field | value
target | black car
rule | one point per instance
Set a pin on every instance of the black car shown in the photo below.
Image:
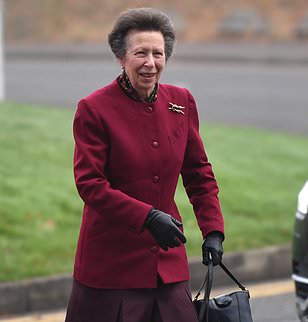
(300, 255)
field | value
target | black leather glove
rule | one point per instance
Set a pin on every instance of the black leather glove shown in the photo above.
(212, 245)
(165, 229)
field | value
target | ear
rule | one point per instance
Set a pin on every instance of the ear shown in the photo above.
(122, 62)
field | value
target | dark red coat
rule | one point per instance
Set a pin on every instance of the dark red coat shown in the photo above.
(128, 158)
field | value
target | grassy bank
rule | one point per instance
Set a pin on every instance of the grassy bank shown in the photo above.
(259, 174)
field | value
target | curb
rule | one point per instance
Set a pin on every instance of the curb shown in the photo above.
(52, 293)
(230, 52)
(34, 295)
(264, 264)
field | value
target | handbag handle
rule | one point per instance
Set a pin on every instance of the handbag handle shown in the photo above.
(207, 285)
(241, 286)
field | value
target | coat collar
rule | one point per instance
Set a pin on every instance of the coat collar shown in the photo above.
(131, 92)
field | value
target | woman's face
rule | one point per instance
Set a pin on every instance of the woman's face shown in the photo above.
(144, 59)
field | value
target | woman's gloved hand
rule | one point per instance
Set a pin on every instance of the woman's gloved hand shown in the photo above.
(165, 229)
(212, 245)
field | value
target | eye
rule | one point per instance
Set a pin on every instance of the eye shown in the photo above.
(158, 54)
(140, 53)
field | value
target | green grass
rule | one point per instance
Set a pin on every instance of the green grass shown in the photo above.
(259, 173)
(39, 207)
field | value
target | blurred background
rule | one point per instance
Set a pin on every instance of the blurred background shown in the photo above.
(245, 62)
(74, 21)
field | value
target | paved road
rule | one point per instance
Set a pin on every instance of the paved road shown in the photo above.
(270, 302)
(265, 96)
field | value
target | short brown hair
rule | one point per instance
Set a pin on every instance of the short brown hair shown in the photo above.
(143, 19)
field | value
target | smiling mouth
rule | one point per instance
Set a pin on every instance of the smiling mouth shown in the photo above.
(148, 75)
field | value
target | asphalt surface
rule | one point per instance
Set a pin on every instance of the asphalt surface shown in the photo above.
(260, 92)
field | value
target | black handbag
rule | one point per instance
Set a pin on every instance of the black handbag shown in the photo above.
(232, 307)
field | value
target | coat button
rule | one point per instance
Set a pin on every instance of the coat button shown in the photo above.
(149, 109)
(156, 179)
(155, 144)
(154, 249)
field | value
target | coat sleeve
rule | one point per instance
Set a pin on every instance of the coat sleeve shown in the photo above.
(90, 162)
(198, 178)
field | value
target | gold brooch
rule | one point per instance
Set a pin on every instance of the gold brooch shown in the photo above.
(176, 108)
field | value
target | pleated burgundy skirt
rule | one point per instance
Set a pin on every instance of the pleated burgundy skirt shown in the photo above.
(166, 303)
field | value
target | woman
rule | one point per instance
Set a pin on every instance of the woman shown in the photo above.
(133, 138)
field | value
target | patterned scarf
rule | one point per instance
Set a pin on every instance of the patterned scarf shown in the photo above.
(130, 91)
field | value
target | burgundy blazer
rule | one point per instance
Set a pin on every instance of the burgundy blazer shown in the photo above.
(128, 158)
